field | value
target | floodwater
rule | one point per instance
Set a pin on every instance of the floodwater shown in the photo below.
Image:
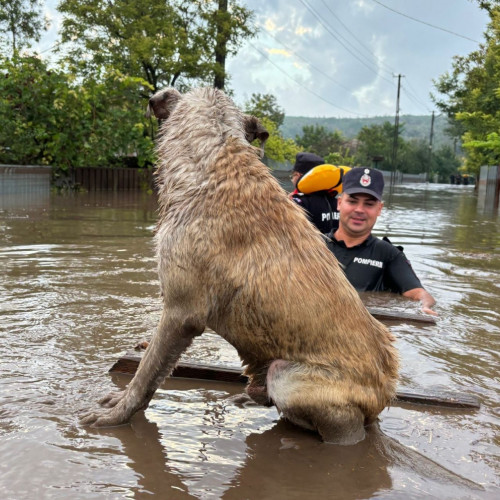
(78, 288)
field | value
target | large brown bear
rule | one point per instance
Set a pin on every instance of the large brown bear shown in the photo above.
(236, 255)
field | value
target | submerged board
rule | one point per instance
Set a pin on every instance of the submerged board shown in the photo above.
(128, 364)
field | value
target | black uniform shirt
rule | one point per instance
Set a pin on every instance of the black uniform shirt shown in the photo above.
(321, 208)
(375, 265)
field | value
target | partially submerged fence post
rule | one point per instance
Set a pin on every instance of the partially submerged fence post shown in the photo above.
(489, 189)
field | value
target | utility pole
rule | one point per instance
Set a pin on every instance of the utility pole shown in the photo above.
(396, 136)
(430, 147)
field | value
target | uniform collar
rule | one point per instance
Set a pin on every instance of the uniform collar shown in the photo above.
(369, 241)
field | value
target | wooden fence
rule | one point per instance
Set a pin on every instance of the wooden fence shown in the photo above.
(113, 179)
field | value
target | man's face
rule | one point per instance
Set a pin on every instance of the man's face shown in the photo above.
(358, 213)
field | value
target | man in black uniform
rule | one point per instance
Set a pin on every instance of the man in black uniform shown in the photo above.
(369, 263)
(320, 206)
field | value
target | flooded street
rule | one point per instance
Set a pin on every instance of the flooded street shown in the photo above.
(78, 288)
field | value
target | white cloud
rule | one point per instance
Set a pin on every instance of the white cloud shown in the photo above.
(354, 52)
(364, 5)
(302, 30)
(344, 65)
(281, 52)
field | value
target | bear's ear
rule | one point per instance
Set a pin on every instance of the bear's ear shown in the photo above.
(163, 103)
(255, 130)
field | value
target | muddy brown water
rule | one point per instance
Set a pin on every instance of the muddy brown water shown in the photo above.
(78, 288)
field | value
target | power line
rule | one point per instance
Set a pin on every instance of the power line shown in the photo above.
(319, 70)
(307, 62)
(414, 99)
(381, 63)
(51, 48)
(412, 95)
(410, 92)
(423, 22)
(334, 35)
(329, 30)
(301, 85)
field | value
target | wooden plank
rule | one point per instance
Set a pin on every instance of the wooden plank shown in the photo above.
(98, 178)
(86, 181)
(77, 173)
(128, 364)
(449, 400)
(132, 178)
(127, 183)
(109, 181)
(135, 181)
(209, 372)
(91, 179)
(385, 315)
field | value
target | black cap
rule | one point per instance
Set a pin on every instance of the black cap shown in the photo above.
(364, 180)
(306, 161)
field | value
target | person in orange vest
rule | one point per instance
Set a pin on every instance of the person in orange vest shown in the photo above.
(320, 206)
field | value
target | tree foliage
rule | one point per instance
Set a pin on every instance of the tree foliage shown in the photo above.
(278, 149)
(470, 95)
(345, 158)
(414, 157)
(50, 117)
(167, 43)
(21, 22)
(444, 162)
(265, 106)
(318, 139)
(415, 126)
(377, 140)
(89, 108)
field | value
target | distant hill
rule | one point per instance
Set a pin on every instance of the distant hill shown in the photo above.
(413, 127)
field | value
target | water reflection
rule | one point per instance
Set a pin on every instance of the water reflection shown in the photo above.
(78, 287)
(236, 449)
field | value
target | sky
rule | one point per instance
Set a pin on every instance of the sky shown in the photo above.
(342, 58)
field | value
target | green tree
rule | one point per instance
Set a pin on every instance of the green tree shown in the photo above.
(166, 43)
(487, 5)
(318, 139)
(345, 159)
(378, 140)
(470, 95)
(414, 157)
(50, 117)
(21, 23)
(265, 106)
(278, 148)
(445, 163)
